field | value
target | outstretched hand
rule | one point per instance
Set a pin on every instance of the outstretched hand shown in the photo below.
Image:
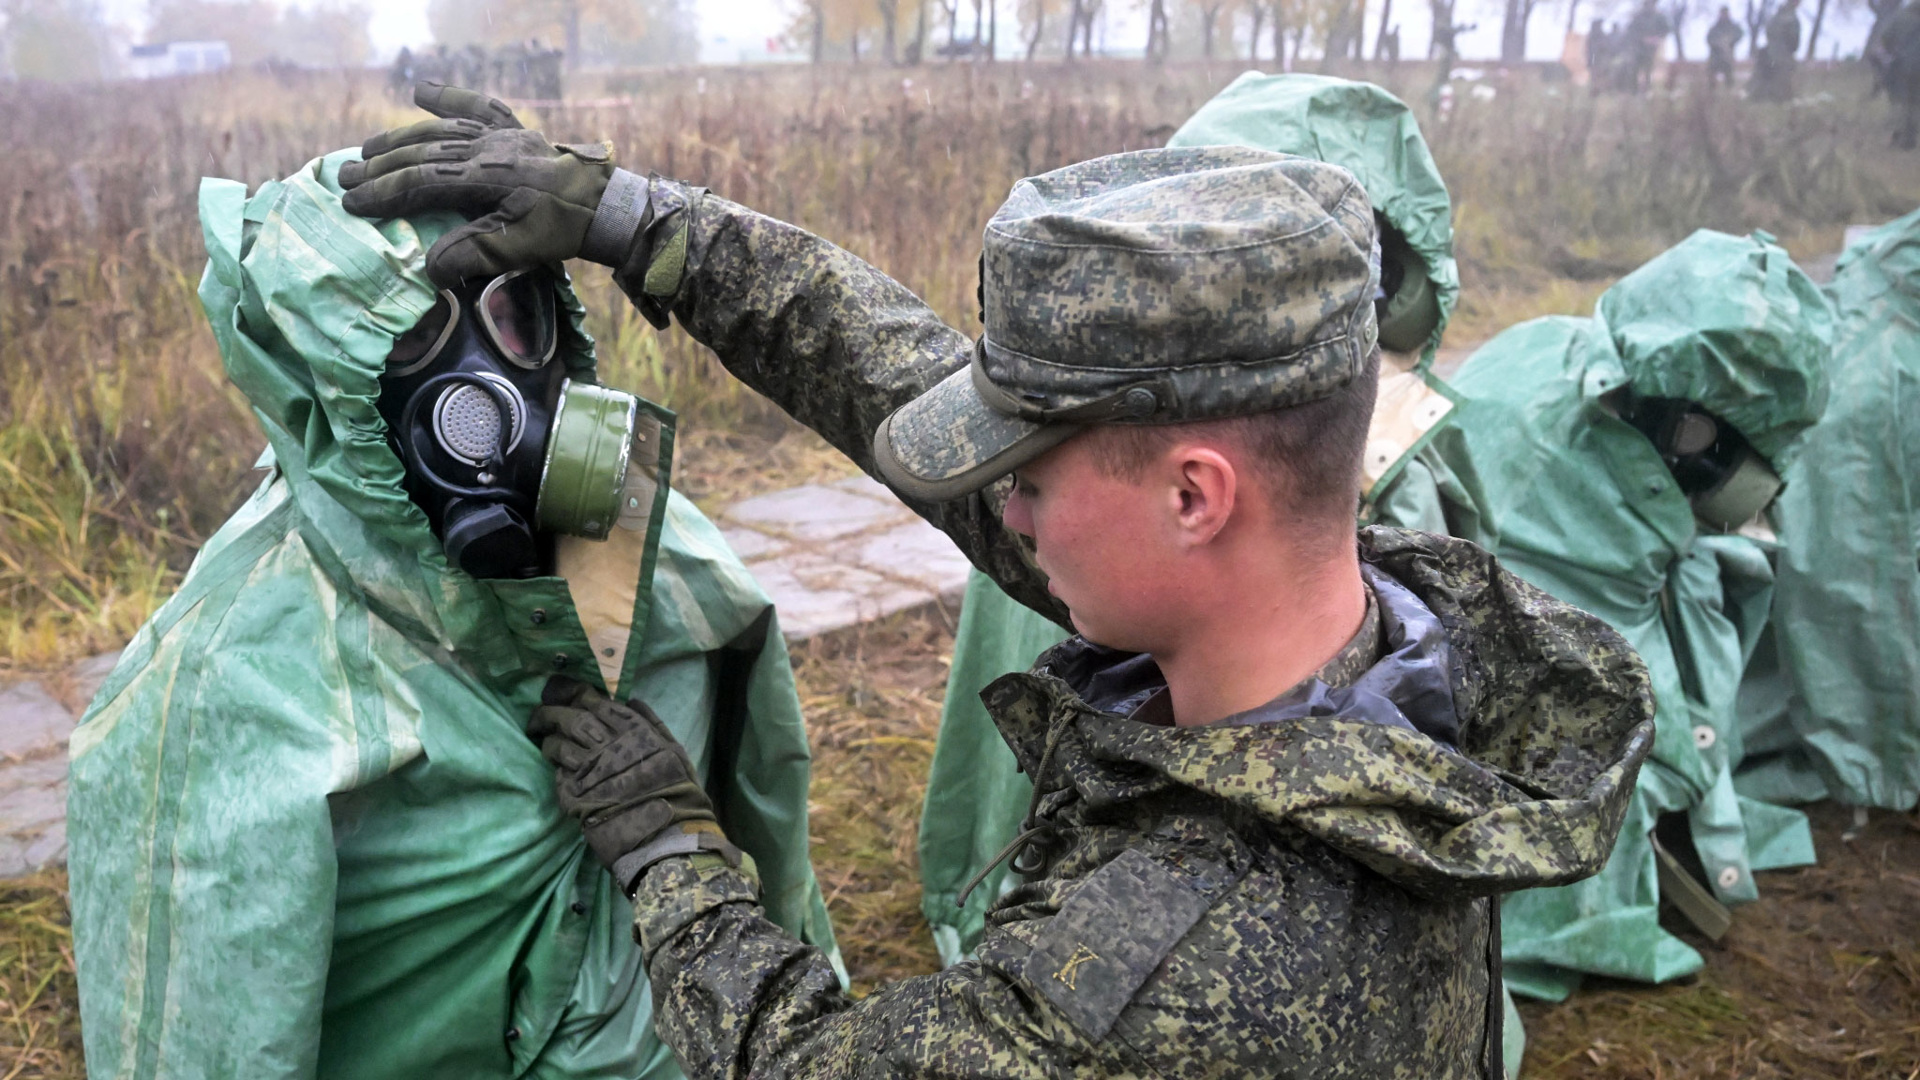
(622, 773)
(531, 202)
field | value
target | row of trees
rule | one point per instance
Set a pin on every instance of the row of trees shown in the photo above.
(595, 33)
(72, 39)
(911, 31)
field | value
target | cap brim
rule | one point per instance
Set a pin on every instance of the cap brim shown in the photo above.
(949, 443)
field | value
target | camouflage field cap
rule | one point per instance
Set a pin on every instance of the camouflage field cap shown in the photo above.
(1153, 287)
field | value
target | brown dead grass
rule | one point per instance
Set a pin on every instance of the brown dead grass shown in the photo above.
(872, 699)
(1820, 978)
(39, 1000)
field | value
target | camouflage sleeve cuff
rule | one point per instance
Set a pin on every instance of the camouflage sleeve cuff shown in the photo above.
(622, 213)
(654, 264)
(675, 892)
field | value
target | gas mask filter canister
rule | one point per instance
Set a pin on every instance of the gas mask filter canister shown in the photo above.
(1725, 480)
(499, 445)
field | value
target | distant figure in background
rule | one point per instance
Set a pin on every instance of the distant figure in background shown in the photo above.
(1647, 29)
(436, 66)
(472, 63)
(1773, 67)
(510, 71)
(544, 72)
(400, 76)
(1722, 36)
(1894, 52)
(1390, 45)
(1597, 43)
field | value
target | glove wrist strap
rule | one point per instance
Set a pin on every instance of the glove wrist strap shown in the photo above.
(624, 210)
(628, 868)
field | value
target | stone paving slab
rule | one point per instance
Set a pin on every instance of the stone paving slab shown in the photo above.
(833, 555)
(35, 722)
(33, 814)
(32, 721)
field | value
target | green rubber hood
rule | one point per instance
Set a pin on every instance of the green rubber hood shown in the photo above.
(1728, 322)
(306, 300)
(1359, 127)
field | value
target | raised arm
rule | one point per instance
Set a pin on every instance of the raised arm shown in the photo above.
(828, 337)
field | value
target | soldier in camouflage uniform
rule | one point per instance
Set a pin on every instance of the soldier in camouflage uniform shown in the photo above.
(1297, 882)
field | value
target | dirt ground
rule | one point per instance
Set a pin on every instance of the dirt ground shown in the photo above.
(1821, 978)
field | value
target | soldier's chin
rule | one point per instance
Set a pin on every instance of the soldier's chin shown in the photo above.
(1097, 632)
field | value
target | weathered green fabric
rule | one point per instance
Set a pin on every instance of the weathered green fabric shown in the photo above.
(1846, 610)
(975, 797)
(1538, 470)
(1293, 898)
(1359, 127)
(309, 835)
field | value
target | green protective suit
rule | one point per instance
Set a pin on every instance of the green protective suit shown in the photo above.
(976, 798)
(309, 835)
(1538, 470)
(1846, 609)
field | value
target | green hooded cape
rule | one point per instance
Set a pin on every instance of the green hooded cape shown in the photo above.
(976, 798)
(1537, 469)
(1846, 610)
(309, 835)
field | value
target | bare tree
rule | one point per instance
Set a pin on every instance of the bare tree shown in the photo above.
(1257, 12)
(889, 17)
(1080, 26)
(1158, 36)
(1755, 16)
(1441, 40)
(1513, 31)
(918, 48)
(1380, 37)
(1819, 16)
(1677, 12)
(1209, 24)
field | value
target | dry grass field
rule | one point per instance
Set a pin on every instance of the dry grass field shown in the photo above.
(122, 447)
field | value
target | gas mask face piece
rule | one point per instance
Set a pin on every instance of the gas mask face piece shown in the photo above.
(1406, 308)
(1724, 478)
(500, 447)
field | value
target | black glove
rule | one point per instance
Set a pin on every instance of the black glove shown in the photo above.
(621, 772)
(532, 203)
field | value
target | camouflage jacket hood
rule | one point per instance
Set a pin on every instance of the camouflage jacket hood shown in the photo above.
(1554, 714)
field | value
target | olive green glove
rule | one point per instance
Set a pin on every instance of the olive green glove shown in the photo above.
(532, 203)
(632, 786)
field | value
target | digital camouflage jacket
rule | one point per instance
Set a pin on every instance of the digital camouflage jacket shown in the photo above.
(1304, 897)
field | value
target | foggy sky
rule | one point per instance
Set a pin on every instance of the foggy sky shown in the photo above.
(404, 22)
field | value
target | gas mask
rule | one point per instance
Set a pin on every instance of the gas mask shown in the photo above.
(1723, 477)
(1405, 307)
(501, 448)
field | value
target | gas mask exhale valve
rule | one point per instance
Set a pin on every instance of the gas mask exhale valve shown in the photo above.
(500, 447)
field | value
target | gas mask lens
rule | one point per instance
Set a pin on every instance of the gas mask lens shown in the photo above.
(515, 311)
(518, 312)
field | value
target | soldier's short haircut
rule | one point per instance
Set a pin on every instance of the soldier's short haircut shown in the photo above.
(1309, 455)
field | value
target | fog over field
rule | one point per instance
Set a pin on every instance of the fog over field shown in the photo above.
(726, 25)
